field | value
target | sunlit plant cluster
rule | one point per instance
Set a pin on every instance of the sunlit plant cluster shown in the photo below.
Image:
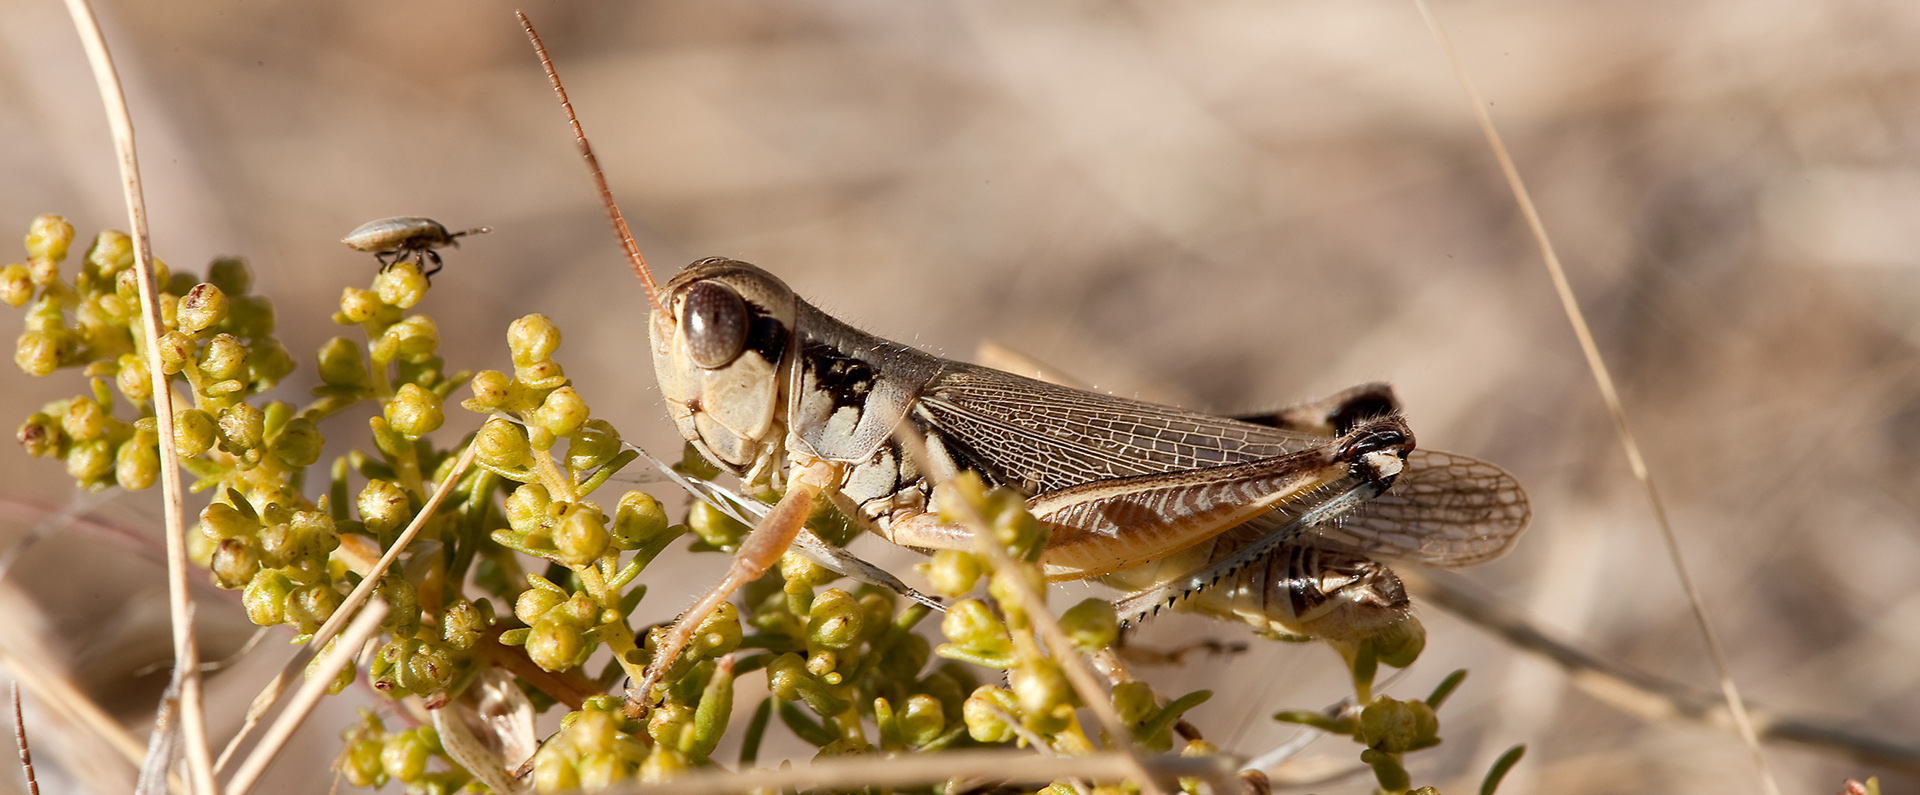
(847, 671)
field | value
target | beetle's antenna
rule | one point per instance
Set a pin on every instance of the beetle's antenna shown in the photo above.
(638, 262)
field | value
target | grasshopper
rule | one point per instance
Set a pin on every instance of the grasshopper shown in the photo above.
(1274, 519)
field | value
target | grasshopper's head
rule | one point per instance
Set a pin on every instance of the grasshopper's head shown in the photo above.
(721, 343)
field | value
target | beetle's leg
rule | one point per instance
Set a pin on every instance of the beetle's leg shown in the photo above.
(432, 255)
(758, 552)
(381, 257)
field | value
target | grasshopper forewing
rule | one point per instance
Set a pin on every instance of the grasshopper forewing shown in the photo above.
(776, 391)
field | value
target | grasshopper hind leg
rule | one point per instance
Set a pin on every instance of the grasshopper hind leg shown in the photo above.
(1335, 414)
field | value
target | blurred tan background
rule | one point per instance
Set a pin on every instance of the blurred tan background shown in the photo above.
(1228, 205)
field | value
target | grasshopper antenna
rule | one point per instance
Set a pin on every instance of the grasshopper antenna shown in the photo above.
(20, 742)
(638, 262)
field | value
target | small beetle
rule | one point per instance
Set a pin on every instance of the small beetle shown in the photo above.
(399, 237)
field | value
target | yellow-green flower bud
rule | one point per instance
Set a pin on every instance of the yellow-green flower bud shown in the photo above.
(541, 375)
(220, 521)
(1001, 584)
(384, 506)
(823, 664)
(923, 720)
(1091, 625)
(553, 771)
(970, 625)
(201, 308)
(39, 353)
(176, 349)
(501, 444)
(341, 365)
(108, 307)
(985, 723)
(361, 306)
(133, 378)
(298, 443)
(48, 237)
(314, 535)
(89, 462)
(266, 598)
(231, 275)
(137, 463)
(556, 645)
(801, 575)
(462, 622)
(662, 764)
(225, 358)
(126, 286)
(1400, 643)
(597, 444)
(412, 340)
(404, 599)
(1014, 526)
(414, 412)
(719, 634)
(789, 680)
(594, 731)
(1133, 699)
(717, 529)
(534, 603)
(311, 606)
(670, 724)
(241, 427)
(638, 521)
(43, 272)
(580, 536)
(112, 252)
(527, 507)
(908, 658)
(234, 563)
(404, 757)
(249, 316)
(531, 339)
(1395, 726)
(952, 573)
(836, 620)
(490, 391)
(85, 420)
(361, 762)
(1044, 695)
(16, 284)
(194, 432)
(580, 610)
(562, 413)
(429, 668)
(401, 287)
(267, 362)
(40, 435)
(275, 544)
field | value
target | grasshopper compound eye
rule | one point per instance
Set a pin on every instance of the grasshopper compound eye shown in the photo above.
(406, 236)
(715, 320)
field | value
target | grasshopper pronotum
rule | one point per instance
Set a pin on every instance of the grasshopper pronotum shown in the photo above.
(1276, 517)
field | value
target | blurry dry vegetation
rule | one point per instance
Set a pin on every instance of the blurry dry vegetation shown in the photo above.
(1228, 205)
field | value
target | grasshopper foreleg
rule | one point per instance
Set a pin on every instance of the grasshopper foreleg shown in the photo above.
(758, 552)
